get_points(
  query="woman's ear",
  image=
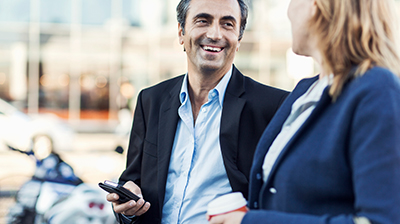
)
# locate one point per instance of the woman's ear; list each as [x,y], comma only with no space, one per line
[313,7]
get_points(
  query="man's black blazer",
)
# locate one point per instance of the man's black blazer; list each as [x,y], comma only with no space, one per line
[248,107]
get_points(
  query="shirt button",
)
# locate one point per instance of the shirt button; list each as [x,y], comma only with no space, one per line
[255,204]
[204,110]
[258,176]
[272,190]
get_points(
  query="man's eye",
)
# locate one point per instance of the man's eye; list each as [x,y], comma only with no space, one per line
[229,24]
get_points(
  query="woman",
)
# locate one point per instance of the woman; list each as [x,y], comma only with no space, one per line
[334,145]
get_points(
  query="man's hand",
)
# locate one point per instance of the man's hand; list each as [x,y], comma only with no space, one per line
[131,207]
[229,218]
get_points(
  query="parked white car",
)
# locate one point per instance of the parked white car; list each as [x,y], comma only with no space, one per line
[41,133]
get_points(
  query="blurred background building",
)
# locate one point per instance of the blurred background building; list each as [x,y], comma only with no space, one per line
[85,60]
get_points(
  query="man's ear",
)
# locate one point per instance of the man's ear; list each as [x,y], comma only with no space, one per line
[237,48]
[180,34]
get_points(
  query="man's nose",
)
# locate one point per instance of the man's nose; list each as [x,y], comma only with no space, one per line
[214,32]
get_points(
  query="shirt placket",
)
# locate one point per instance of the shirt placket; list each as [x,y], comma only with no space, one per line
[198,138]
[181,186]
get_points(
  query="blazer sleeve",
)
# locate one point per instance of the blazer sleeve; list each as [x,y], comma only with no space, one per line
[134,157]
[374,156]
[135,151]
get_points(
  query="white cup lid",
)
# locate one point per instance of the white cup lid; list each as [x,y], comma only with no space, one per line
[226,203]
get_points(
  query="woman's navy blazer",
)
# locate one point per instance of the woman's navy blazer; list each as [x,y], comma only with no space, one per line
[343,162]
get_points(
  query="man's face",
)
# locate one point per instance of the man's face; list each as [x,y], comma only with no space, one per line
[211,34]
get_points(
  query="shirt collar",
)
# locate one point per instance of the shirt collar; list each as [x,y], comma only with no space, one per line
[220,88]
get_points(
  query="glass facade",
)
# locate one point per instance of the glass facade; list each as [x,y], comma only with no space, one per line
[66,57]
[88,59]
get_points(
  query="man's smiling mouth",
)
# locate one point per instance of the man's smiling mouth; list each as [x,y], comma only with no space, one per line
[212,49]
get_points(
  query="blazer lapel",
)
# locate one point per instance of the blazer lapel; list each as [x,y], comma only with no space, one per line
[230,118]
[321,105]
[168,121]
[275,126]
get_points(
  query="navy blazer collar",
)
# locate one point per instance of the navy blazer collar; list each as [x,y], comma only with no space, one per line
[276,124]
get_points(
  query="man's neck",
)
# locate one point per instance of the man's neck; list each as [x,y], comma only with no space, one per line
[199,85]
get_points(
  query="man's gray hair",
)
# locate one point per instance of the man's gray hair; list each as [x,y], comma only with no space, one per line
[184,5]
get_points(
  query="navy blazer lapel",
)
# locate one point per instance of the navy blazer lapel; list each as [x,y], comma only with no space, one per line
[168,122]
[275,126]
[321,105]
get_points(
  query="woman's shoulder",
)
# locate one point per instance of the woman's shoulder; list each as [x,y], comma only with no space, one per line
[378,78]
[377,83]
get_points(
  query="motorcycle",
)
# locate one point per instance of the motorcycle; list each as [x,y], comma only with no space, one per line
[85,205]
[55,195]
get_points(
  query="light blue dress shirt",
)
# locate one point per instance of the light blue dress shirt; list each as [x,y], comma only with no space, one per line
[196,173]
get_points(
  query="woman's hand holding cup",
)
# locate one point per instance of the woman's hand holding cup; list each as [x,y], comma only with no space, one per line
[229,208]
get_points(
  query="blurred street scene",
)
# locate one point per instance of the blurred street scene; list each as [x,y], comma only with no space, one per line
[70,72]
[92,157]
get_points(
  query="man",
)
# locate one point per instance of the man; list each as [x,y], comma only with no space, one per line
[194,136]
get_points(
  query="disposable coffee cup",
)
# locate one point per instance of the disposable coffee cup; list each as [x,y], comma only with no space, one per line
[227,203]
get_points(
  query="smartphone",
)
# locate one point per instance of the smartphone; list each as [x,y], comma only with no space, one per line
[123,193]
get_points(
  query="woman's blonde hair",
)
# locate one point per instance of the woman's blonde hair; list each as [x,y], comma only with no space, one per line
[360,33]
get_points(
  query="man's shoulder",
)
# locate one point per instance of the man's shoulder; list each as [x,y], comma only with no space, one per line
[255,86]
[252,86]
[165,86]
